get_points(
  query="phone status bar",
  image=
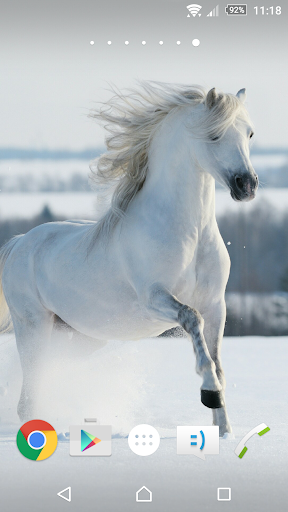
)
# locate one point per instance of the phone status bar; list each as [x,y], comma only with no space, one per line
[196,10]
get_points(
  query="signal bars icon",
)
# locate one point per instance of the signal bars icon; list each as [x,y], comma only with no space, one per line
[214,12]
[194,10]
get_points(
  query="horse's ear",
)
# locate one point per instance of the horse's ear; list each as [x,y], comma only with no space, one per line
[242,95]
[211,98]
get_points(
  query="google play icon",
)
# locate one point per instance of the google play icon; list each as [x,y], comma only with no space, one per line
[95,442]
[88,440]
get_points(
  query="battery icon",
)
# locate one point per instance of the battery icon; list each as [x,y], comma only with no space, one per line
[236,9]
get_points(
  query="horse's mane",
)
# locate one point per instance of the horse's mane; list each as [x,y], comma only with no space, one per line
[131,120]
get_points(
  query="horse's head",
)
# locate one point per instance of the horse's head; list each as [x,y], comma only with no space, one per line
[227,153]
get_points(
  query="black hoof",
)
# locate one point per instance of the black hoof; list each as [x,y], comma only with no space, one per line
[212,399]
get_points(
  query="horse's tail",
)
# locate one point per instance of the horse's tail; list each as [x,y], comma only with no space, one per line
[5,318]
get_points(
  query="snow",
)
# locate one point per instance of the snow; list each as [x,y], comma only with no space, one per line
[275,197]
[36,173]
[266,161]
[150,381]
[65,167]
[40,167]
[66,205]
[83,204]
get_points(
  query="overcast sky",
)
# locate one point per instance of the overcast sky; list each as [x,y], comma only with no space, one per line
[51,75]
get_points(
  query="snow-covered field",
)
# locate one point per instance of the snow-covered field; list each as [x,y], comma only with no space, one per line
[150,381]
[83,204]
[39,173]
[67,204]
[63,168]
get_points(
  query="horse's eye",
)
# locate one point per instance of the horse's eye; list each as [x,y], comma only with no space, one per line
[251,135]
[215,138]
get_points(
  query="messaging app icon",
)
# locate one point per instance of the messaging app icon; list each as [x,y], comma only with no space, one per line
[90,440]
[198,441]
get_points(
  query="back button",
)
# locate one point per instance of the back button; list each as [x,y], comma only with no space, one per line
[65,494]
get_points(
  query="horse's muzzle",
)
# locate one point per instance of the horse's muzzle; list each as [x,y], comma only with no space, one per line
[243,187]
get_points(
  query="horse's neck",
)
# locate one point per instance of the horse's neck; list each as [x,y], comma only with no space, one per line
[176,186]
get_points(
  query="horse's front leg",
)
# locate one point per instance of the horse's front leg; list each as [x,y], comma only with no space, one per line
[214,322]
[164,306]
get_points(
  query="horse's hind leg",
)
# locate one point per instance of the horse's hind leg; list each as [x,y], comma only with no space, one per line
[33,332]
[214,318]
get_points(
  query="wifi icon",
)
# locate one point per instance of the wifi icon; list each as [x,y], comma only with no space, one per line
[194,10]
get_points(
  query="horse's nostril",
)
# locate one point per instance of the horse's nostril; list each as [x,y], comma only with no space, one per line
[239,183]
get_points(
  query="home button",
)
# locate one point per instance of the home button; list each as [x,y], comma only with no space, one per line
[143,495]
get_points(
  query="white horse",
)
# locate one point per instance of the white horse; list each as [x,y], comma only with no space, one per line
[156,258]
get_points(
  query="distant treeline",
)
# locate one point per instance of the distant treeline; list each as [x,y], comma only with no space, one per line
[64,154]
[78,182]
[252,314]
[257,243]
[50,154]
[257,314]
[274,177]
[257,291]
[12,227]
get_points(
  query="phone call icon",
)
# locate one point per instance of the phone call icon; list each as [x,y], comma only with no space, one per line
[241,449]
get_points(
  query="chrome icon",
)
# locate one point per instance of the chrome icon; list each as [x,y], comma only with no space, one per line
[36,440]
